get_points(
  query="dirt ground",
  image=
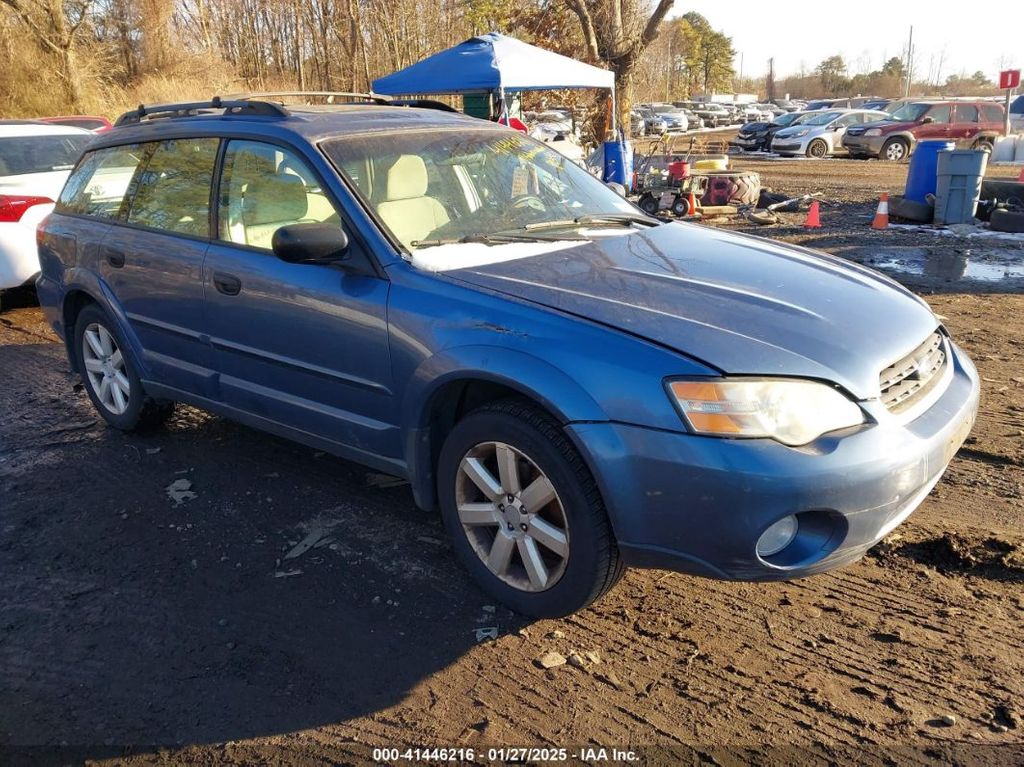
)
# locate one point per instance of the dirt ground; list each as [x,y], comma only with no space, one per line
[289,607]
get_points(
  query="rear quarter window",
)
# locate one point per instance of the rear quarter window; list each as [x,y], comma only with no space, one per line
[100,182]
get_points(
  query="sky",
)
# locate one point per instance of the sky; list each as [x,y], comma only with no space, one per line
[965,36]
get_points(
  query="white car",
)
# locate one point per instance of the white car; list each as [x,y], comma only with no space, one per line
[35,160]
[819,135]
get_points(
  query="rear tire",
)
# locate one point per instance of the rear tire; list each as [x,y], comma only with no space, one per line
[109,375]
[649,204]
[514,446]
[680,206]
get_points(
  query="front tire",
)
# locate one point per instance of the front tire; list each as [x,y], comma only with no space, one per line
[895,150]
[817,149]
[109,376]
[524,513]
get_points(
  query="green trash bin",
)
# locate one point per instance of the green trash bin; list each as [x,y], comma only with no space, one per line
[958,187]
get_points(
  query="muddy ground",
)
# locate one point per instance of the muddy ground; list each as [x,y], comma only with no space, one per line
[149,629]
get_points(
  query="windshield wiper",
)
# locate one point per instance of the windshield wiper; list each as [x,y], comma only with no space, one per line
[495,238]
[604,219]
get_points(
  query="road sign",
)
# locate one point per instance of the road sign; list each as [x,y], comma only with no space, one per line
[1009,78]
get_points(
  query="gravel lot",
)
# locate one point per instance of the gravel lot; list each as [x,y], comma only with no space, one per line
[298,608]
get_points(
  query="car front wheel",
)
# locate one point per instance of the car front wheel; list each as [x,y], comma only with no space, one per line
[109,377]
[524,513]
[817,148]
[895,150]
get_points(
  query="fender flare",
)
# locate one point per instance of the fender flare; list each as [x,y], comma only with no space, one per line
[549,386]
[77,280]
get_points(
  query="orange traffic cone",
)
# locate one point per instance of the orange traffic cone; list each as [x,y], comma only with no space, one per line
[882,214]
[691,201]
[813,216]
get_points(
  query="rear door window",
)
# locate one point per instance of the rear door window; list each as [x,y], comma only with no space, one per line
[100,182]
[172,192]
[966,113]
[991,113]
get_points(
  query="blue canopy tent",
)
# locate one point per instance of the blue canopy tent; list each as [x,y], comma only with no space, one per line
[494,63]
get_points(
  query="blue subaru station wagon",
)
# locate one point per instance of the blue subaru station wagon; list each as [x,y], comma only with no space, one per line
[575,386]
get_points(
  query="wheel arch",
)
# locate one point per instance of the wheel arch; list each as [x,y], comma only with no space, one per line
[448,386]
[83,288]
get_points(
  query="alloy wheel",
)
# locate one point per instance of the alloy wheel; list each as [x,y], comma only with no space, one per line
[896,151]
[512,516]
[105,368]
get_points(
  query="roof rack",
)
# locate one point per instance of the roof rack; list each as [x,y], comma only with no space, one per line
[191,109]
[374,98]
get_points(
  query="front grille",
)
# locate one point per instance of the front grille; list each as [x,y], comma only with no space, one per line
[911,378]
[855,131]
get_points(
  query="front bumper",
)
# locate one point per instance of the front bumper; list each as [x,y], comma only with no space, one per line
[699,504]
[863,144]
[790,145]
[751,143]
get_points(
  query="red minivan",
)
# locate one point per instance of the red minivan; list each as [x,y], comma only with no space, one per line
[968,123]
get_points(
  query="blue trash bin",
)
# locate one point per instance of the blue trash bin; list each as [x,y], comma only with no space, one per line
[921,178]
[618,163]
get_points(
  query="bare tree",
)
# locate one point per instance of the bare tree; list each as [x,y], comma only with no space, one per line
[616,34]
[55,25]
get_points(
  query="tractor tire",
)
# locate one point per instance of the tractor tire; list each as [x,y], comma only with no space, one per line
[732,187]
[1007,221]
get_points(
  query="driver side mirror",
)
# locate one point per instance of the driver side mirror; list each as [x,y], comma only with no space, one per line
[927,119]
[311,243]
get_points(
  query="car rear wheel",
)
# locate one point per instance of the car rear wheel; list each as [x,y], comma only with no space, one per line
[108,375]
[817,148]
[524,513]
[895,150]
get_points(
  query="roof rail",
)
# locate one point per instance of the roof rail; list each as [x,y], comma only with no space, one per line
[375,98]
[190,109]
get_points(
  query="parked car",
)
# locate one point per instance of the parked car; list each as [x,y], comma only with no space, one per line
[575,385]
[968,123]
[88,122]
[790,105]
[35,159]
[673,117]
[693,120]
[879,104]
[711,115]
[757,136]
[820,134]
[653,124]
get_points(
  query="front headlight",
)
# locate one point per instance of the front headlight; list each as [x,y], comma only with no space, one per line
[800,133]
[789,411]
[873,132]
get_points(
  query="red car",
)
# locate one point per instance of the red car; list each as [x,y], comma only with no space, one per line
[90,122]
[969,123]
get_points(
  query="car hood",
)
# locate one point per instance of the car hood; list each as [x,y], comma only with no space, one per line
[755,127]
[738,303]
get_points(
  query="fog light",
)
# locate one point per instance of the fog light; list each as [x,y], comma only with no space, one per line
[778,536]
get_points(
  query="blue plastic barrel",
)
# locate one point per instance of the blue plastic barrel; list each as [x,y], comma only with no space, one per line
[618,163]
[921,178]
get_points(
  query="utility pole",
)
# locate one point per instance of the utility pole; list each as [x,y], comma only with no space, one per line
[770,85]
[910,63]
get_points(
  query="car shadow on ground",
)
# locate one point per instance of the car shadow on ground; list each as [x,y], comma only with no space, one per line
[129,617]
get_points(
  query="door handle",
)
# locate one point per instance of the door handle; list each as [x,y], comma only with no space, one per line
[227,284]
[114,257]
